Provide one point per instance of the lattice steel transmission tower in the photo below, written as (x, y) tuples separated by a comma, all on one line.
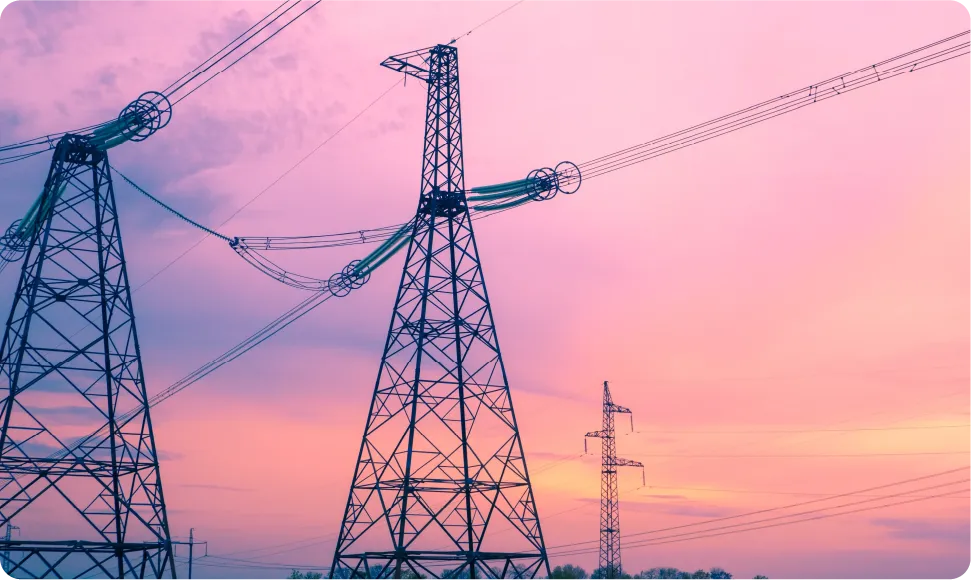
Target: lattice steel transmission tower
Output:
[(441, 480), (70, 365), (609, 502)]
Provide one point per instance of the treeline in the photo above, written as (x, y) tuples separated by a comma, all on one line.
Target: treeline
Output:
[(571, 572), (565, 571)]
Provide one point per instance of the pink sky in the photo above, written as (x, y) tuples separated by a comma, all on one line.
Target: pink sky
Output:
[(810, 272)]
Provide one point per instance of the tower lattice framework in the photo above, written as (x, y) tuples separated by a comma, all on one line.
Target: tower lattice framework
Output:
[(70, 365), (610, 566), (440, 486)]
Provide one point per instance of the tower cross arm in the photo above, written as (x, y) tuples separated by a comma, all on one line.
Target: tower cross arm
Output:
[(414, 63), (612, 407), (602, 434), (621, 462)]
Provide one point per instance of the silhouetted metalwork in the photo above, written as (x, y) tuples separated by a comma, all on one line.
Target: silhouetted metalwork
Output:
[(70, 364), (441, 481), (5, 559), (610, 566)]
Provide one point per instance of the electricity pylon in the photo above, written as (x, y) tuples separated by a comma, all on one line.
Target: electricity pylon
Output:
[(70, 364), (609, 502), (441, 481)]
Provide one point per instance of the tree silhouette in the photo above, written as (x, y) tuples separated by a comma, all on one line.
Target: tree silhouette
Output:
[(663, 573), (298, 575), (609, 572), (568, 571)]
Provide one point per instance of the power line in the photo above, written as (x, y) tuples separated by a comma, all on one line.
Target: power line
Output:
[(210, 232), (48, 141), (287, 318), (553, 464), (486, 21), (256, 565), (945, 50), (594, 167), (261, 563), (290, 546), (168, 208), (703, 533), (783, 507), (172, 87), (307, 542), (314, 150), (245, 54), (726, 123), (311, 153), (757, 492), (745, 526), (803, 455), (807, 430)]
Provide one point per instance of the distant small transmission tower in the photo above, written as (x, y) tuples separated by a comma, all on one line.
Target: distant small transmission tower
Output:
[(5, 560), (441, 481), (609, 503), (70, 350)]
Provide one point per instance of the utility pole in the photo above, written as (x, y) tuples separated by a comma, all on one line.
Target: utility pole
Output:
[(6, 551), (609, 501), (191, 531), (191, 543)]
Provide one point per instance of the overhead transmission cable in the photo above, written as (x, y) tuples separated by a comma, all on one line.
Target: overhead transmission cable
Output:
[(794, 505), (321, 289), (486, 21), (173, 89), (182, 87), (637, 154), (823, 514), (288, 545), (512, 194), (314, 150), (799, 455), (768, 492), (918, 59), (804, 430), (170, 209), (316, 299), (886, 69), (252, 249), (273, 566)]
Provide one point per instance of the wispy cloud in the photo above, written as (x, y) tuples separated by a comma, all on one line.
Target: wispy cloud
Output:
[(951, 531)]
